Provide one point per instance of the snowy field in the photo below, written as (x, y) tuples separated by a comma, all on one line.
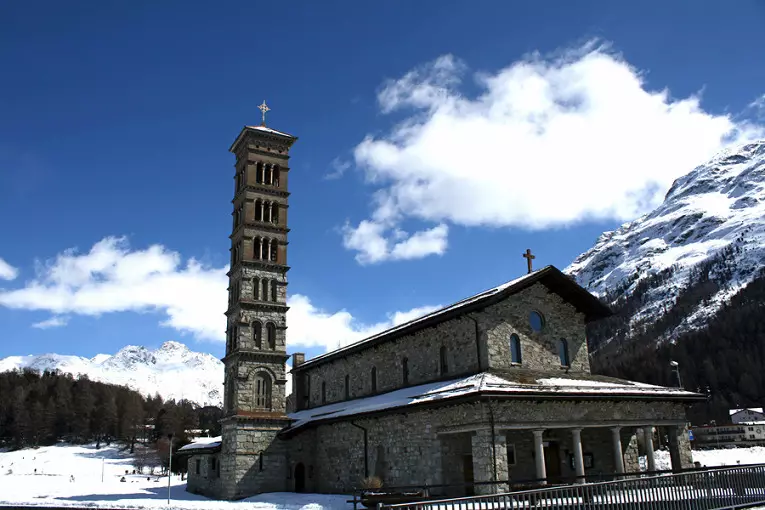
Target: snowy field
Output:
[(52, 484), (72, 476)]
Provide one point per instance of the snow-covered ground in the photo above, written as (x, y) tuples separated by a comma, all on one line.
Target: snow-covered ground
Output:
[(712, 458), (52, 484), (72, 475)]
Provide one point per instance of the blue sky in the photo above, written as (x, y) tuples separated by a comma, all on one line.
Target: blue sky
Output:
[(437, 141)]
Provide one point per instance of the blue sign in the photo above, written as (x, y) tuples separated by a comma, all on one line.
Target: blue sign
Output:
[(690, 435)]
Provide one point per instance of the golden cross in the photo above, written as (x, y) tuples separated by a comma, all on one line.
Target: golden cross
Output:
[(264, 108), (529, 257)]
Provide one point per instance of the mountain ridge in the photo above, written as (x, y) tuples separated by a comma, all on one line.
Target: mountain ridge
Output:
[(173, 371), (711, 225)]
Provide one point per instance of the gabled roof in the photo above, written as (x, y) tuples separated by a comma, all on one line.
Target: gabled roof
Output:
[(203, 445), (520, 385), (549, 276)]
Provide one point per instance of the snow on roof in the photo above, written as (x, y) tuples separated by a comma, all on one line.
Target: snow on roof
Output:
[(203, 443), (269, 130), (479, 383), (753, 409), (436, 313)]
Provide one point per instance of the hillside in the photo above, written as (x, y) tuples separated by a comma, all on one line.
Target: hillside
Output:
[(173, 371), (687, 284), (709, 231)]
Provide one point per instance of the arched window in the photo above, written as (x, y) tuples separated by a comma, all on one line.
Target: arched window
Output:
[(230, 395), (263, 391), (259, 173), (255, 288), (276, 175), (257, 335), (273, 291), (515, 349), (274, 213), (264, 249), (258, 210), (274, 246), (536, 321), (444, 361), (260, 461), (271, 334), (323, 392), (374, 379), (405, 371), (234, 337), (264, 292), (565, 361), (347, 386), (267, 176)]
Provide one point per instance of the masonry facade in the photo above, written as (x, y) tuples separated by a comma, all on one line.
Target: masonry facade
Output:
[(491, 392)]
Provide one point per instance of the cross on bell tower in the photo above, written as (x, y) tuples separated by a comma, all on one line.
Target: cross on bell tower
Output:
[(529, 257)]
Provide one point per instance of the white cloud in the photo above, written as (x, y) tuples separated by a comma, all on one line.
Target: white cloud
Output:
[(369, 241), (338, 167), (309, 326), (56, 321), (7, 271), (548, 142), (113, 277)]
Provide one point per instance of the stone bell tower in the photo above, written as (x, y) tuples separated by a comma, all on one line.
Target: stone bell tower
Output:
[(252, 460)]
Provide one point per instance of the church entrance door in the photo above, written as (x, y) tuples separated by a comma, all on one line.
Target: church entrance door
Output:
[(300, 477), (552, 461), (468, 476)]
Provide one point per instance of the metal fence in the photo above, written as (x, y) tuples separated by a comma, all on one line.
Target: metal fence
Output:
[(709, 489)]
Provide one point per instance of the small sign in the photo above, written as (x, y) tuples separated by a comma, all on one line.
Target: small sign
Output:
[(690, 435)]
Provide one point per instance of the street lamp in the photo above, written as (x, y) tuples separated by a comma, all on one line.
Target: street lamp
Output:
[(169, 466), (676, 369)]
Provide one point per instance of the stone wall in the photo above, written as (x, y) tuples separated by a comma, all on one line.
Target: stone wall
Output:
[(253, 459), (539, 349), (432, 446), (422, 351), (205, 480), (465, 354)]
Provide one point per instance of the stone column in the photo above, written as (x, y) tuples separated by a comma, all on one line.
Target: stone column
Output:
[(616, 435), (576, 436), (679, 448), (648, 435), (262, 211), (260, 249), (489, 461), (539, 454)]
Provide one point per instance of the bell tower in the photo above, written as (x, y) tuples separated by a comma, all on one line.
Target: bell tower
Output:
[(252, 458)]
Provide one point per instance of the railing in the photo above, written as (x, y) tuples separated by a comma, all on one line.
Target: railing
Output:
[(709, 489)]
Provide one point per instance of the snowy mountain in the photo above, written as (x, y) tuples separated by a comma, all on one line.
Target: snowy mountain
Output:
[(700, 247), (173, 371)]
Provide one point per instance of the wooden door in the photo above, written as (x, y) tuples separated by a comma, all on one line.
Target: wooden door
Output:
[(300, 477), (552, 461), (467, 475)]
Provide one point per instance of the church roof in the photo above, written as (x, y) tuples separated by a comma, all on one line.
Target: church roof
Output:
[(549, 276), (207, 444), (521, 385)]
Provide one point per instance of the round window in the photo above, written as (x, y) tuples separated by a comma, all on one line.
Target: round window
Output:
[(536, 321)]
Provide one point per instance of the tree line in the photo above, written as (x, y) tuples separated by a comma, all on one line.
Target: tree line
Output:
[(42, 408)]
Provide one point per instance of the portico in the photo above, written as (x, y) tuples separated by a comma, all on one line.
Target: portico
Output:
[(529, 454)]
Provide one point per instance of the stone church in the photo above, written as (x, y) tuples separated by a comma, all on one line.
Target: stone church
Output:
[(494, 388)]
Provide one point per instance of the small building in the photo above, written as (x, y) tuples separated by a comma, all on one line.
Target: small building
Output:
[(492, 390), (749, 415)]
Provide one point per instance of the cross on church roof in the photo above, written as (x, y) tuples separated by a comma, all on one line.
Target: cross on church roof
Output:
[(529, 257), (264, 108)]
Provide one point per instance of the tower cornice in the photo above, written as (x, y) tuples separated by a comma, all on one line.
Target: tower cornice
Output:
[(268, 138), (256, 305)]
